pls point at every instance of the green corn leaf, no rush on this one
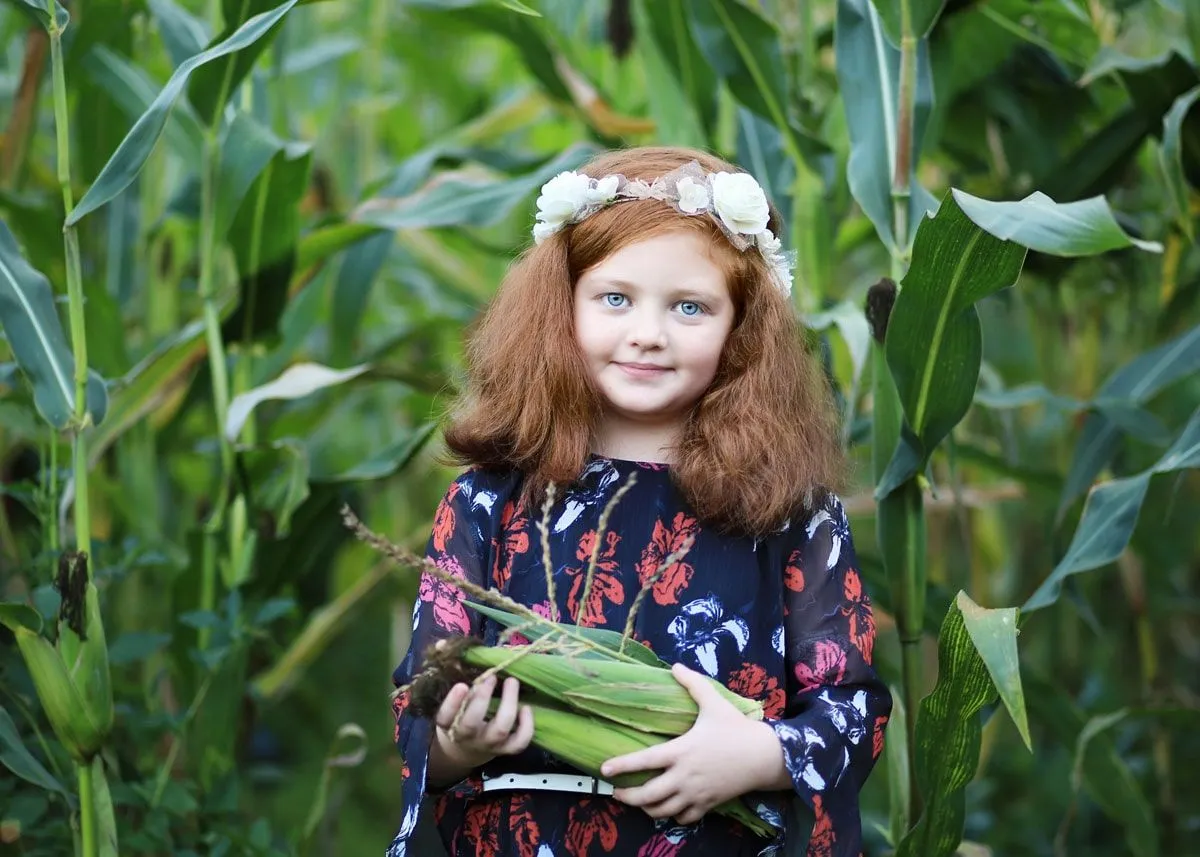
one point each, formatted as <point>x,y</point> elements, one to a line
<point>387,461</point>
<point>1102,773</point>
<point>36,10</point>
<point>1170,159</point>
<point>133,91</point>
<point>1083,228</point>
<point>934,340</point>
<point>948,737</point>
<point>868,70</point>
<point>669,30</point>
<point>602,638</point>
<point>298,380</point>
<point>160,377</point>
<point>923,14</point>
<point>743,48</point>
<point>15,615</point>
<point>994,633</point>
<point>130,156</point>
<point>182,33</point>
<point>450,200</point>
<point>1136,382</point>
<point>1111,514</point>
<point>15,757</point>
<point>264,236</point>
<point>106,819</point>
<point>211,87</point>
<point>36,337</point>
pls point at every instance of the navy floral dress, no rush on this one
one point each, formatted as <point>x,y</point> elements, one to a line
<point>782,619</point>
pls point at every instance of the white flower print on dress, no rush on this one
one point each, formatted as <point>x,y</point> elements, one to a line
<point>839,529</point>
<point>849,718</point>
<point>593,491</point>
<point>777,639</point>
<point>700,627</point>
<point>802,745</point>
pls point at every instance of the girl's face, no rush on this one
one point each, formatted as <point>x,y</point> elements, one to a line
<point>651,320</point>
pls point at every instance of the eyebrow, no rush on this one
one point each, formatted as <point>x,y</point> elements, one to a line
<point>676,292</point>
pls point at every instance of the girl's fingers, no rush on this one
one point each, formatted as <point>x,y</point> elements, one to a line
<point>669,808</point>
<point>522,736</point>
<point>448,710</point>
<point>475,716</point>
<point>498,730</point>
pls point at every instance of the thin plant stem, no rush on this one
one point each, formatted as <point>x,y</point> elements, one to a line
<point>601,531</point>
<point>543,526</point>
<point>488,596</point>
<point>164,771</point>
<point>81,419</point>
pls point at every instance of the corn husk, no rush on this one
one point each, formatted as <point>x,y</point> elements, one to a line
<point>587,742</point>
<point>645,698</point>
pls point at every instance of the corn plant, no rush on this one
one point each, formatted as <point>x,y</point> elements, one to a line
<point>279,221</point>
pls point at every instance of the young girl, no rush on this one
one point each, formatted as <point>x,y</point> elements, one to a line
<point>649,333</point>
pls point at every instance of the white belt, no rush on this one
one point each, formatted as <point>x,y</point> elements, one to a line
<point>548,782</point>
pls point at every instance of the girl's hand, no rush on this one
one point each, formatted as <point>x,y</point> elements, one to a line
<point>723,755</point>
<point>475,739</point>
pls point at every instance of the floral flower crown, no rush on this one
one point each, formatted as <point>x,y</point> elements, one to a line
<point>735,201</point>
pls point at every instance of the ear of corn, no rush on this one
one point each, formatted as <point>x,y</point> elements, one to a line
<point>65,706</point>
<point>605,643</point>
<point>587,742</point>
<point>89,666</point>
<point>644,697</point>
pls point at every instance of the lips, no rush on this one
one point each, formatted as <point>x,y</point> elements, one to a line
<point>643,370</point>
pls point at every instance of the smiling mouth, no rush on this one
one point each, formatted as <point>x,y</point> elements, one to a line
<point>643,370</point>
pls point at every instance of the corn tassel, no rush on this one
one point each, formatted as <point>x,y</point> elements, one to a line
<point>621,692</point>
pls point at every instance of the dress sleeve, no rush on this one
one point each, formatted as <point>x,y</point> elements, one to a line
<point>837,707</point>
<point>458,545</point>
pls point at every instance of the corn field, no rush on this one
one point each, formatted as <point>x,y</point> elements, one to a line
<point>240,244</point>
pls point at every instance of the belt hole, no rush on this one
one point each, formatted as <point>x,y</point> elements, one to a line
<point>544,782</point>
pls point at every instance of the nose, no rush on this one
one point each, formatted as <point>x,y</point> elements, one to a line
<point>647,330</point>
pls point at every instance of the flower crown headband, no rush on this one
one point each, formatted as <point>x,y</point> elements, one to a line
<point>735,201</point>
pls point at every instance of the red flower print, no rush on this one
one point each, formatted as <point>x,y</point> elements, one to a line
<point>665,541</point>
<point>449,612</point>
<point>606,583</point>
<point>877,737</point>
<point>661,845</point>
<point>526,835</point>
<point>858,610</point>
<point>399,704</point>
<point>793,575</point>
<point>752,682</point>
<point>512,542</point>
<point>605,587</point>
<point>543,610</point>
<point>820,841</point>
<point>481,826</point>
<point>829,666</point>
<point>443,519</point>
<point>591,820</point>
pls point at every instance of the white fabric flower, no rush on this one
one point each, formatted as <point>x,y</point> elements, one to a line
<point>604,192</point>
<point>693,196</point>
<point>740,203</point>
<point>561,198</point>
<point>542,231</point>
<point>768,243</point>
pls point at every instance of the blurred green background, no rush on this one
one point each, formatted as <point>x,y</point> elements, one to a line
<point>344,194</point>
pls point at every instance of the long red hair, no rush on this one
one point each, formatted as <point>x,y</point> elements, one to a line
<point>756,448</point>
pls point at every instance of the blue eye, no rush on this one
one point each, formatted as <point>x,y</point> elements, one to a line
<point>614,299</point>
<point>690,308</point>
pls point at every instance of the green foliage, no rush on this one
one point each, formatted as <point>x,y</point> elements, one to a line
<point>341,185</point>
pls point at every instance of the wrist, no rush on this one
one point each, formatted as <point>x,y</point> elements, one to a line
<point>771,773</point>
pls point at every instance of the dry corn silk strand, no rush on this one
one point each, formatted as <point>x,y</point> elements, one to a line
<point>595,693</point>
